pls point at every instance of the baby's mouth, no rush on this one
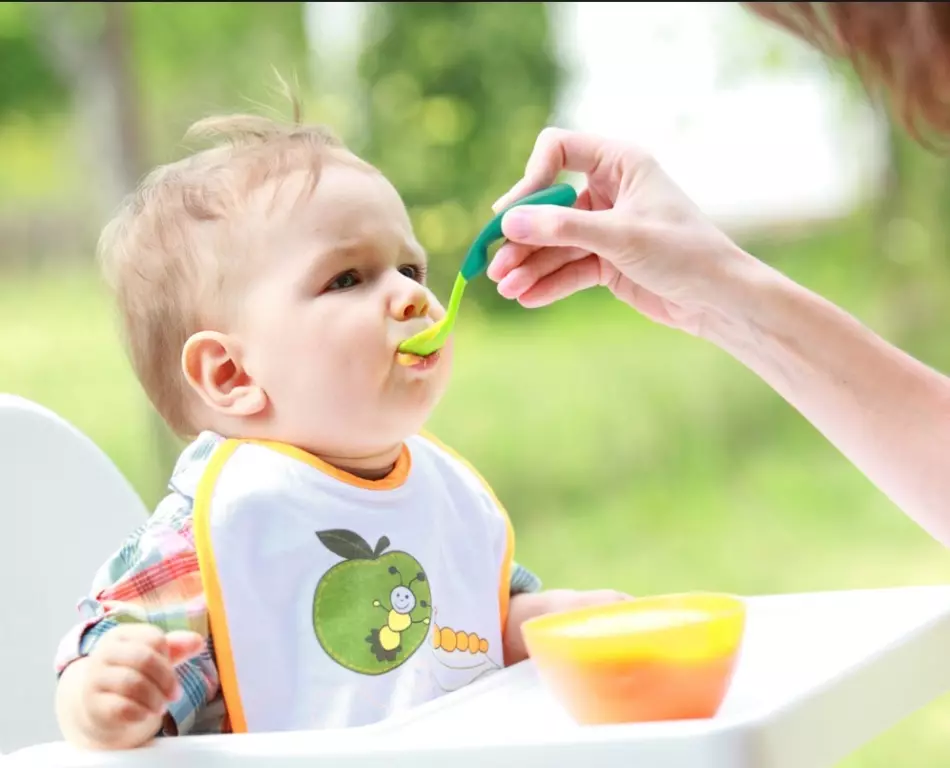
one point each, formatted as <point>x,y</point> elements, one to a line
<point>416,361</point>
<point>410,359</point>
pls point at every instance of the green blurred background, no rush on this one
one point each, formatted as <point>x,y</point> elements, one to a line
<point>634,457</point>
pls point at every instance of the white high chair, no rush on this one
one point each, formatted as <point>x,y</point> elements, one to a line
<point>819,674</point>
<point>66,508</point>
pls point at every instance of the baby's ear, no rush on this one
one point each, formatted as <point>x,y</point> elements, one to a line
<point>212,364</point>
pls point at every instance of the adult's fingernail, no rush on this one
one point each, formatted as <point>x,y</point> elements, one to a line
<point>511,285</point>
<point>496,267</point>
<point>516,223</point>
<point>501,202</point>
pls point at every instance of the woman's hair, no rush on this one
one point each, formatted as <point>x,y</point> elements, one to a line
<point>902,48</point>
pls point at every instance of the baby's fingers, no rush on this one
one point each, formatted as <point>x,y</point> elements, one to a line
<point>132,684</point>
<point>152,664</point>
<point>183,645</point>
<point>604,597</point>
<point>115,709</point>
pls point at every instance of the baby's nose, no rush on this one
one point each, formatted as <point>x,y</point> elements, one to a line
<point>413,303</point>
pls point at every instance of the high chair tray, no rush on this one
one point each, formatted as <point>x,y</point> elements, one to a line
<point>819,676</point>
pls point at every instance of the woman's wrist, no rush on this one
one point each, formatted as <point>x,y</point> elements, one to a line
<point>888,413</point>
<point>781,329</point>
<point>741,301</point>
<point>790,336</point>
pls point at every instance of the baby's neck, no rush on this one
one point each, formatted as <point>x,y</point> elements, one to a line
<point>374,467</point>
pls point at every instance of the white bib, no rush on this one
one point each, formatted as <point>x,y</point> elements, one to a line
<point>335,601</point>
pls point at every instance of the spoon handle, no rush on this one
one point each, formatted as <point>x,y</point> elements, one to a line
<point>477,257</point>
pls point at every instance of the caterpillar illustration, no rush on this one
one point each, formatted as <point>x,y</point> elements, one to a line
<point>451,640</point>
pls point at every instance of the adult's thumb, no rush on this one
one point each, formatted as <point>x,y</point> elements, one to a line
<point>183,645</point>
<point>553,225</point>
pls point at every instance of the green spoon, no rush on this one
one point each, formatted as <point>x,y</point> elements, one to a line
<point>433,338</point>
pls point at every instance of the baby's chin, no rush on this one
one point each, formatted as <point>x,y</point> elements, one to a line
<point>413,416</point>
<point>373,456</point>
<point>365,421</point>
<point>398,417</point>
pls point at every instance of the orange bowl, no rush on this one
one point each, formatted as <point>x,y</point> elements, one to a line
<point>669,657</point>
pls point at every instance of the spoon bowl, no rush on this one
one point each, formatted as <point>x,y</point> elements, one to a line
<point>433,338</point>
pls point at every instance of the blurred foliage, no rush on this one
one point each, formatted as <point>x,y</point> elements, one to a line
<point>647,463</point>
<point>30,82</point>
<point>197,59</point>
<point>188,60</point>
<point>907,253</point>
<point>456,99</point>
<point>765,49</point>
<point>450,117</point>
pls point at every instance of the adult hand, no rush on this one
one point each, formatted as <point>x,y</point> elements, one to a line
<point>632,230</point>
<point>635,232</point>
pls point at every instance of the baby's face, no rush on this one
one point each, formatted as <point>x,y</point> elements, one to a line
<point>343,285</point>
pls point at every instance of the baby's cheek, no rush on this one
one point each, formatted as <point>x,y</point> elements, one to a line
<point>447,355</point>
<point>436,310</point>
<point>350,379</point>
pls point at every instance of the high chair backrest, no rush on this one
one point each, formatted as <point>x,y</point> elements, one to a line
<point>65,509</point>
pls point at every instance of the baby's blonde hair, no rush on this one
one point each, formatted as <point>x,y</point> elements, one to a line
<point>171,249</point>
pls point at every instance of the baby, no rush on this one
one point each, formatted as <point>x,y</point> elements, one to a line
<point>319,561</point>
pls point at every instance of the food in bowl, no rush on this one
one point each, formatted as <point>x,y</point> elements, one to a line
<point>668,657</point>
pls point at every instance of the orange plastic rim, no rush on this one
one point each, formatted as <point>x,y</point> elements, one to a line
<point>655,658</point>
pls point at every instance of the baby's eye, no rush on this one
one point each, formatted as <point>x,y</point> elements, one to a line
<point>414,272</point>
<point>344,281</point>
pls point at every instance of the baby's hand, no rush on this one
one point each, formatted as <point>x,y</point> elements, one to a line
<point>527,606</point>
<point>121,690</point>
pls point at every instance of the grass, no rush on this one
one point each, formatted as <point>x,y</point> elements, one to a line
<point>635,458</point>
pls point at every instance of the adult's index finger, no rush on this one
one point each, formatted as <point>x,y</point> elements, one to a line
<point>555,150</point>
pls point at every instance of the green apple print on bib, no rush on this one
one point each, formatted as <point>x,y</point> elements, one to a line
<point>371,611</point>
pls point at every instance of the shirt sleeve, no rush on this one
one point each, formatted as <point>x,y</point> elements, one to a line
<point>523,580</point>
<point>154,579</point>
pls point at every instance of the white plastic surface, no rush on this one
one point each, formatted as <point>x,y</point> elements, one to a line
<point>819,676</point>
<point>65,508</point>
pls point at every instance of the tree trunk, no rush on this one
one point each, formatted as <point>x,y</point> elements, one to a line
<point>99,66</point>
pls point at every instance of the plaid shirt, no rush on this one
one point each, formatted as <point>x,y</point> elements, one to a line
<point>154,578</point>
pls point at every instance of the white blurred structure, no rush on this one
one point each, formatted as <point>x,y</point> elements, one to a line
<point>66,508</point>
<point>336,32</point>
<point>753,146</point>
<point>756,147</point>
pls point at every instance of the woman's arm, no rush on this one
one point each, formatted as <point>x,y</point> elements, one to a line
<point>886,412</point>
<point>636,233</point>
